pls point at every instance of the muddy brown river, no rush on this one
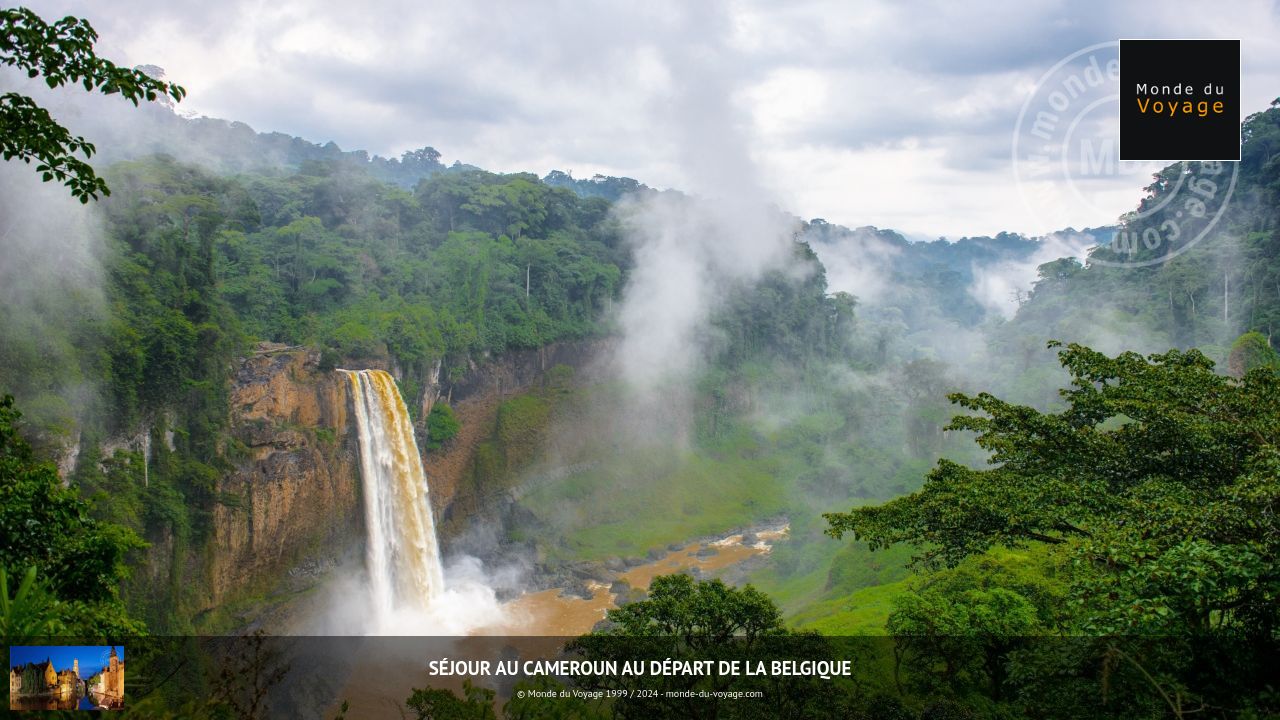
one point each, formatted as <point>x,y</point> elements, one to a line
<point>551,613</point>
<point>536,626</point>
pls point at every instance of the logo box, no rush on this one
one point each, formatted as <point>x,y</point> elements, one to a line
<point>1179,100</point>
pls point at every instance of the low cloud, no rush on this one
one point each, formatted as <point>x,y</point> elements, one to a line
<point>1000,286</point>
<point>887,114</point>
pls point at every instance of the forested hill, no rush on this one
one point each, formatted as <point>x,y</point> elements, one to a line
<point>229,236</point>
<point>602,186</point>
<point>123,132</point>
<point>122,319</point>
<point>1223,286</point>
<point>233,147</point>
<point>289,241</point>
<point>199,264</point>
<point>924,282</point>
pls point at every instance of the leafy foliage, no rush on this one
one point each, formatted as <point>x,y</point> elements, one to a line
<point>30,612</point>
<point>1145,495</point>
<point>44,525</point>
<point>442,425</point>
<point>476,703</point>
<point>469,262</point>
<point>956,629</point>
<point>1152,476</point>
<point>1251,351</point>
<point>701,615</point>
<point>687,620</point>
<point>61,53</point>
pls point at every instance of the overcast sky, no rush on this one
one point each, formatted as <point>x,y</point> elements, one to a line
<point>894,114</point>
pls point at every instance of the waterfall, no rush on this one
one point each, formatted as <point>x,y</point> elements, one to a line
<point>403,557</point>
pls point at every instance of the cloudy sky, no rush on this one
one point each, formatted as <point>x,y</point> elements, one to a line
<point>894,114</point>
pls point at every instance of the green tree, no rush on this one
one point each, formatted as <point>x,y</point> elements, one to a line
<point>690,620</point>
<point>702,615</point>
<point>1156,486</point>
<point>442,424</point>
<point>61,52</point>
<point>1251,350</point>
<point>957,628</point>
<point>47,526</point>
<point>1157,477</point>
<point>476,703</point>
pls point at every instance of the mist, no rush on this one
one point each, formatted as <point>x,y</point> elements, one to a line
<point>688,250</point>
<point>51,300</point>
<point>473,601</point>
<point>861,264</point>
<point>1001,286</point>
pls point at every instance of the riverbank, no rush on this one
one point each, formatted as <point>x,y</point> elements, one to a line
<point>576,608</point>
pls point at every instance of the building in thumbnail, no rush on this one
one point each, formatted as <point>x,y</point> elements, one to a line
<point>111,680</point>
<point>69,679</point>
<point>35,678</point>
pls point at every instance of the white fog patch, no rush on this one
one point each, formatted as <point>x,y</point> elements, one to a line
<point>689,249</point>
<point>50,242</point>
<point>998,286</point>
<point>859,263</point>
<point>51,298</point>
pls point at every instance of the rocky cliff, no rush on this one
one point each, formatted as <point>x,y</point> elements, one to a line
<point>293,508</point>
<point>475,398</point>
<point>295,499</point>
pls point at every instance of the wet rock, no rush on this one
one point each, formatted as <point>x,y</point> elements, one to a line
<point>260,433</point>
<point>656,553</point>
<point>620,588</point>
<point>546,576</point>
<point>750,538</point>
<point>634,561</point>
<point>674,547</point>
<point>312,567</point>
<point>592,571</point>
<point>706,551</point>
<point>615,564</point>
<point>577,589</point>
<point>740,574</point>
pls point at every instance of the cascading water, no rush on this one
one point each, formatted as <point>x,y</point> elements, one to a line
<point>403,557</point>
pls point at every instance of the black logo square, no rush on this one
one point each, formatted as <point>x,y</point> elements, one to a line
<point>1179,100</point>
